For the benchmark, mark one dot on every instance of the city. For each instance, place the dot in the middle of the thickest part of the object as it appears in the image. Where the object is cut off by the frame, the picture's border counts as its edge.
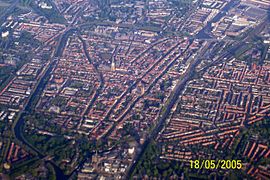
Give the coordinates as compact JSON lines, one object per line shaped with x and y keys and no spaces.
{"x":134,"y":89}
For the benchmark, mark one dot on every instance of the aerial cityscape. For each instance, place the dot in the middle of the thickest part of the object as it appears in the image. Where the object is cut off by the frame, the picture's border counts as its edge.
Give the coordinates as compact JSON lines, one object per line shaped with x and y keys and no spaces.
{"x":134,"y":89}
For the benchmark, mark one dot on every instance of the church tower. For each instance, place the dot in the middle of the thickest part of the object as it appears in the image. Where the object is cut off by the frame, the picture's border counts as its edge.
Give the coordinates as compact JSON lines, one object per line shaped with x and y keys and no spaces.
{"x":113,"y":65}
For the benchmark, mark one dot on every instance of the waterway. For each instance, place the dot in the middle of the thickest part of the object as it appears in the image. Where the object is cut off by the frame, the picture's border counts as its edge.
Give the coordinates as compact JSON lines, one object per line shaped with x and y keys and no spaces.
{"x":178,"y":89}
{"x":28,"y":107}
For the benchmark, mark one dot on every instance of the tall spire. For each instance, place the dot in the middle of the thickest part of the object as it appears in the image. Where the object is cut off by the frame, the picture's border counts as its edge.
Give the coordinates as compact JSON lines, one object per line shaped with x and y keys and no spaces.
{"x":113,"y":65}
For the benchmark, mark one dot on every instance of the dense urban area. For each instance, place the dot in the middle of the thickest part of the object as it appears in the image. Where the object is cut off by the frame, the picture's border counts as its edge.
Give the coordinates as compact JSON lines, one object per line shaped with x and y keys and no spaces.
{"x":134,"y":89}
